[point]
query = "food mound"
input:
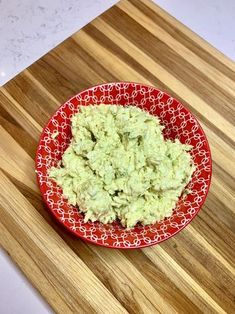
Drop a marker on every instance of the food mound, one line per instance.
(118, 166)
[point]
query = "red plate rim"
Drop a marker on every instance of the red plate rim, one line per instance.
(123, 247)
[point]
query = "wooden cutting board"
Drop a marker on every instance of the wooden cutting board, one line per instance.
(192, 272)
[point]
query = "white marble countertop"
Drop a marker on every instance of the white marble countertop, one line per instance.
(29, 29)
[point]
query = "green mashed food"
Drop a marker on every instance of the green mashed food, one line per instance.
(118, 166)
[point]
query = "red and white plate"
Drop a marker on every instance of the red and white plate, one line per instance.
(179, 123)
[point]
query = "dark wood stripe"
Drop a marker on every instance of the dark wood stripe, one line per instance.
(208, 226)
(15, 130)
(224, 216)
(52, 79)
(225, 177)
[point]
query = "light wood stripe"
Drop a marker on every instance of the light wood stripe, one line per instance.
(16, 162)
(218, 146)
(199, 238)
(227, 194)
(192, 272)
(218, 235)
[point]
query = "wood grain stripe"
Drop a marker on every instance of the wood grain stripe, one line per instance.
(217, 234)
(17, 132)
(227, 194)
(172, 291)
(198, 261)
(204, 243)
(67, 78)
(167, 290)
(17, 111)
(41, 87)
(16, 162)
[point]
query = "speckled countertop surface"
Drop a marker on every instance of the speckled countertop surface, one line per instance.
(29, 29)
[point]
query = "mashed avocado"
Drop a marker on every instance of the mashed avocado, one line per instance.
(118, 166)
